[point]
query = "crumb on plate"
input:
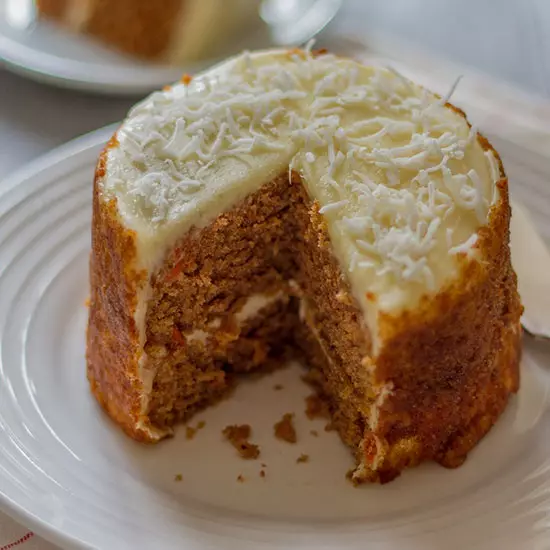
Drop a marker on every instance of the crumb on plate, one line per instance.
(349, 477)
(238, 436)
(284, 429)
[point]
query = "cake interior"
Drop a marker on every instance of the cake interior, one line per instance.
(231, 299)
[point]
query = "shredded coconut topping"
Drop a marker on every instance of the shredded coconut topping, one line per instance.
(395, 171)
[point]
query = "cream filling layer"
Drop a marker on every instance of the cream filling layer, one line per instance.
(254, 304)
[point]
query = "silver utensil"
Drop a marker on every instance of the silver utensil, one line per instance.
(531, 261)
(293, 22)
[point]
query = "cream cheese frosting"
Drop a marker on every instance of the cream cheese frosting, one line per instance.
(401, 180)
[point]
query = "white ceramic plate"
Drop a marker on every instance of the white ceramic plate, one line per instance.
(45, 52)
(70, 475)
(48, 53)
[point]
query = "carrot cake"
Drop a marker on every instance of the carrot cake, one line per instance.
(291, 201)
(171, 31)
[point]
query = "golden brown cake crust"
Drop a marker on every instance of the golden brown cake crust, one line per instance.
(113, 347)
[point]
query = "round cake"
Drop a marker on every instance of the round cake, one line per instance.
(289, 203)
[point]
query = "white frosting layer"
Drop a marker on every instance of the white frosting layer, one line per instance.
(401, 180)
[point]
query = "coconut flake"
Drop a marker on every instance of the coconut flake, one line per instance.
(464, 247)
(333, 206)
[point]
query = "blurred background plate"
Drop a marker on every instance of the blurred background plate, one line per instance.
(48, 53)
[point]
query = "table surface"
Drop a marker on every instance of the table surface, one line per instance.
(507, 39)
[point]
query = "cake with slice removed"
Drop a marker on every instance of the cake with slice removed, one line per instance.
(167, 31)
(285, 202)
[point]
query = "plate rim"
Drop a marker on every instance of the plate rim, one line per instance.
(41, 67)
